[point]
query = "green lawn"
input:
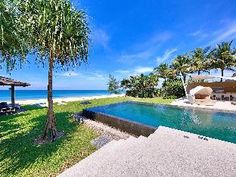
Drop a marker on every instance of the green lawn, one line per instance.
(19, 156)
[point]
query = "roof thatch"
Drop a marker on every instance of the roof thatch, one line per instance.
(4, 81)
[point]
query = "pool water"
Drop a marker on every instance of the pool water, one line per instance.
(219, 125)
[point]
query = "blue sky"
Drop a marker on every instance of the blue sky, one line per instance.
(134, 36)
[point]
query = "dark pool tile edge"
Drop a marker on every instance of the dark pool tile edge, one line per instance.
(128, 126)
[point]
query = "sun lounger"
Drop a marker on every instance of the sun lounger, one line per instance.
(6, 109)
(191, 99)
(205, 102)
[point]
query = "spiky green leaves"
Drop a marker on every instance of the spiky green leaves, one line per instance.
(42, 26)
(58, 27)
(13, 43)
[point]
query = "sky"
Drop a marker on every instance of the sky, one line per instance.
(133, 36)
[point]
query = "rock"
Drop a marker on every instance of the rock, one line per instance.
(101, 141)
(85, 102)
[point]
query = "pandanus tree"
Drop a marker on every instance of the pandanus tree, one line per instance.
(13, 35)
(181, 65)
(60, 37)
(200, 60)
(223, 57)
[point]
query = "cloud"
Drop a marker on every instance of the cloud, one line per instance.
(227, 33)
(196, 33)
(133, 57)
(121, 74)
(122, 71)
(199, 34)
(166, 56)
(68, 74)
(100, 37)
(84, 80)
(144, 50)
(89, 76)
(155, 39)
(96, 76)
(140, 70)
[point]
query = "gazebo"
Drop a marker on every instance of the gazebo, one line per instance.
(4, 81)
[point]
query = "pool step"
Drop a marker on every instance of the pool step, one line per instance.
(166, 152)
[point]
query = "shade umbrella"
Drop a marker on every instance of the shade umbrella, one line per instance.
(200, 90)
(203, 77)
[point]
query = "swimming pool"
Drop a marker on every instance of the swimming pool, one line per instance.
(219, 125)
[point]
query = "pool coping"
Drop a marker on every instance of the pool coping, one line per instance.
(181, 106)
(171, 105)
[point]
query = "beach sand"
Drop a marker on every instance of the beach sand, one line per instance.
(64, 100)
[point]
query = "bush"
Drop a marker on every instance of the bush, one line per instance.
(142, 86)
(172, 88)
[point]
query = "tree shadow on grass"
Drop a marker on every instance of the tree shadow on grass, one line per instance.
(32, 107)
(19, 151)
(8, 124)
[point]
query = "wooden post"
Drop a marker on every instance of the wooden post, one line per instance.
(13, 95)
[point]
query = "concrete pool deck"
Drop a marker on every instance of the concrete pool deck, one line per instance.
(167, 152)
(219, 105)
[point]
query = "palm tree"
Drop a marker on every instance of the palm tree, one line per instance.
(13, 35)
(163, 71)
(223, 57)
(60, 38)
(182, 64)
(199, 60)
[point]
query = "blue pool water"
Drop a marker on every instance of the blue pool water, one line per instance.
(40, 94)
(219, 125)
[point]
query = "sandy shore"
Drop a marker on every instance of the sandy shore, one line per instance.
(63, 100)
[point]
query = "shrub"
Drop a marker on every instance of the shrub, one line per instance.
(142, 86)
(173, 88)
(113, 85)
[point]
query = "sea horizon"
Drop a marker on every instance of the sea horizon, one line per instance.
(42, 94)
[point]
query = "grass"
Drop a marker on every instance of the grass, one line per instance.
(19, 156)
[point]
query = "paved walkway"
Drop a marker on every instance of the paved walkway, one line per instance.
(167, 152)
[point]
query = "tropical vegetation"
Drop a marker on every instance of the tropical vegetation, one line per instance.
(163, 71)
(143, 86)
(223, 57)
(59, 36)
(13, 43)
(113, 85)
(172, 88)
(200, 60)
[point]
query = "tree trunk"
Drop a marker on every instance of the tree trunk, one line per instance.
(184, 77)
(222, 74)
(50, 126)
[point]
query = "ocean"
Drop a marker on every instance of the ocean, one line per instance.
(42, 94)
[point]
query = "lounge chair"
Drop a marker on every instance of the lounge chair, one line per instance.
(6, 109)
(205, 102)
(191, 99)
